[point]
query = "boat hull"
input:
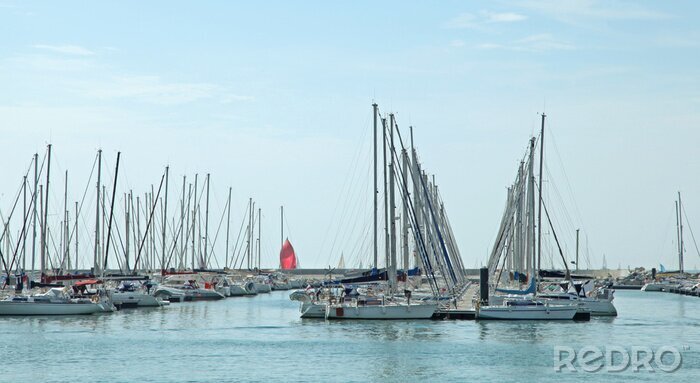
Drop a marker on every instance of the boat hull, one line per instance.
(135, 299)
(381, 312)
(539, 312)
(34, 308)
(313, 310)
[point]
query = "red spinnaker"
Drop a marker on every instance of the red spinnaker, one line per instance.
(288, 259)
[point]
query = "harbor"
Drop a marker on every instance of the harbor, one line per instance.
(253, 333)
(227, 191)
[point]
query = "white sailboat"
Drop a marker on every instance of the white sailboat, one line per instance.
(527, 309)
(129, 295)
(667, 285)
(56, 301)
(393, 310)
(516, 243)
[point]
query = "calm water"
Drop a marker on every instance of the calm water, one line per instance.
(262, 339)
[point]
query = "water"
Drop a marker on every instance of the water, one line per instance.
(262, 339)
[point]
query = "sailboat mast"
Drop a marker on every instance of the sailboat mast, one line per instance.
(404, 214)
(34, 210)
(182, 224)
(24, 224)
(75, 230)
(281, 225)
(249, 234)
(539, 212)
(392, 207)
(680, 228)
(111, 213)
(165, 220)
(66, 254)
(228, 224)
(259, 234)
(206, 227)
(577, 230)
(194, 219)
(46, 213)
(375, 191)
(386, 199)
(126, 240)
(97, 212)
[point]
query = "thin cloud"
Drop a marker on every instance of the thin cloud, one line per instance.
(457, 43)
(469, 20)
(533, 43)
(65, 49)
(155, 90)
(462, 21)
(592, 9)
(507, 17)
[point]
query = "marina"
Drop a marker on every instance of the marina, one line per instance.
(228, 191)
(237, 339)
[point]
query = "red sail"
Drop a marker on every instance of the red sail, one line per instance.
(288, 260)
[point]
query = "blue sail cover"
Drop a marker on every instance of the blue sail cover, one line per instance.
(531, 288)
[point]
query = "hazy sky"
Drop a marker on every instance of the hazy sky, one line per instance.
(274, 99)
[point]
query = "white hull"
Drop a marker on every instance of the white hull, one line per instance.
(237, 291)
(34, 308)
(598, 307)
(539, 312)
(595, 306)
(262, 288)
(313, 310)
(657, 286)
(135, 299)
(398, 311)
(224, 290)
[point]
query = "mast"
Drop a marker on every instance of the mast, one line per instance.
(539, 213)
(182, 223)
(34, 211)
(375, 191)
(97, 212)
(386, 199)
(165, 219)
(392, 209)
(281, 226)
(249, 234)
(680, 228)
(404, 214)
(111, 214)
(251, 253)
(206, 227)
(126, 240)
(42, 233)
(417, 196)
(259, 235)
(577, 230)
(138, 230)
(194, 218)
(46, 214)
(75, 230)
(66, 254)
(24, 224)
(228, 224)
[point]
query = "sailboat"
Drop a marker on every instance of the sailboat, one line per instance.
(55, 301)
(516, 243)
(389, 305)
(666, 285)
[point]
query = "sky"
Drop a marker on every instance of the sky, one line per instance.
(273, 99)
